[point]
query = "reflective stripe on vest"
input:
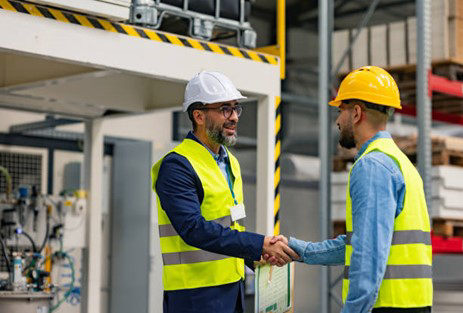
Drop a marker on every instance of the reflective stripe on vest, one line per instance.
(402, 237)
(189, 257)
(407, 281)
(168, 230)
(187, 267)
(195, 256)
(402, 271)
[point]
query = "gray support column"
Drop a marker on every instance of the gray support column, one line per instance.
(423, 101)
(131, 228)
(324, 61)
(92, 182)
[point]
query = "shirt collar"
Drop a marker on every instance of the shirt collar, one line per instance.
(380, 134)
(221, 156)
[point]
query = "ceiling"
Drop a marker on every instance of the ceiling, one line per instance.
(348, 13)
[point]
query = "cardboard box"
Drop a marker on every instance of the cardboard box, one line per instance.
(411, 41)
(439, 30)
(360, 49)
(455, 26)
(447, 193)
(340, 44)
(396, 45)
(378, 41)
(455, 8)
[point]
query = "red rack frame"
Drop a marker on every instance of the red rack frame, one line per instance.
(442, 244)
(442, 85)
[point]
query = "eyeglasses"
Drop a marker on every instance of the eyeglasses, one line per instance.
(227, 111)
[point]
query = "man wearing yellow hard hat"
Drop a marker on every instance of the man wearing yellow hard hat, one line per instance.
(386, 252)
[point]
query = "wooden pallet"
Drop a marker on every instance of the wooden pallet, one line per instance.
(447, 228)
(339, 228)
(453, 71)
(445, 150)
(440, 227)
(405, 76)
(341, 163)
(343, 158)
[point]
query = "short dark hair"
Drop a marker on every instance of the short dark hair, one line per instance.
(373, 106)
(191, 108)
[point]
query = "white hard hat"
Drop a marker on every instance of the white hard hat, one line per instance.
(210, 87)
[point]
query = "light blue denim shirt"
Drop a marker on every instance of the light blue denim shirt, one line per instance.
(377, 189)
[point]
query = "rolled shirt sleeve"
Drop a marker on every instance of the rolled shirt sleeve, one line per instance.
(328, 252)
(376, 187)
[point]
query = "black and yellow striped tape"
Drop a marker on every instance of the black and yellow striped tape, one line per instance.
(146, 33)
(277, 178)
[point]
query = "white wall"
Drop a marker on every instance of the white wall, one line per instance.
(154, 127)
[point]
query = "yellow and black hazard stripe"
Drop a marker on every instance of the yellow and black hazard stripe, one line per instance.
(146, 33)
(277, 178)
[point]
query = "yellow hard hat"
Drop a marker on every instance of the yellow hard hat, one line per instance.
(369, 83)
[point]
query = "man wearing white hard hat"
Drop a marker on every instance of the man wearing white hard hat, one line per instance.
(200, 207)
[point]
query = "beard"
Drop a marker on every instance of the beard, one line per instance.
(346, 138)
(217, 134)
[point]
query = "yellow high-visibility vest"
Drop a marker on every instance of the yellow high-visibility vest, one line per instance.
(184, 266)
(407, 282)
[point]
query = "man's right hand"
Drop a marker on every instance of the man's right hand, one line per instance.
(278, 252)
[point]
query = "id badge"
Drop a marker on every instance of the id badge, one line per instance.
(237, 212)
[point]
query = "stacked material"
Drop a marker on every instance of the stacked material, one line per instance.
(447, 193)
(446, 150)
(394, 44)
(447, 182)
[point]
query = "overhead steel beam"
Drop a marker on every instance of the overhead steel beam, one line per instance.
(49, 122)
(393, 12)
(309, 18)
(65, 144)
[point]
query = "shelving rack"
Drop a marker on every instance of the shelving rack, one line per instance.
(426, 83)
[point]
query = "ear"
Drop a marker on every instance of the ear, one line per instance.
(199, 117)
(357, 114)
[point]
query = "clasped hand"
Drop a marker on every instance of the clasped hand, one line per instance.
(277, 252)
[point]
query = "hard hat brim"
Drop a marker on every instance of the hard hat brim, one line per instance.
(335, 103)
(187, 104)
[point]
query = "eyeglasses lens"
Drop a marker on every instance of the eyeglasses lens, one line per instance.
(228, 111)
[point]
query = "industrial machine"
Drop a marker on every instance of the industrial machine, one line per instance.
(27, 282)
(214, 20)
(203, 19)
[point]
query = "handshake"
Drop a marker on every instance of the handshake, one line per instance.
(277, 252)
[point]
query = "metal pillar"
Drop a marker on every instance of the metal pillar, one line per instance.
(423, 103)
(92, 183)
(265, 165)
(325, 19)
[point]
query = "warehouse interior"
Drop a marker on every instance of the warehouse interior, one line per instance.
(91, 97)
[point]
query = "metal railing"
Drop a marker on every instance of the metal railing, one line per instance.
(202, 24)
